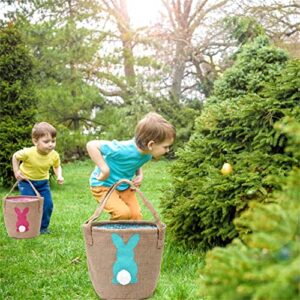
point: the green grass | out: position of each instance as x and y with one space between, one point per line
54 266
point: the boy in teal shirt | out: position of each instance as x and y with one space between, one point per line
117 160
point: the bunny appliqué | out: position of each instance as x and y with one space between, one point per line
22 223
125 268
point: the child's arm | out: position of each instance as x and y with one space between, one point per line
96 156
137 181
58 173
16 163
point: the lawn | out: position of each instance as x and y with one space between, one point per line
54 266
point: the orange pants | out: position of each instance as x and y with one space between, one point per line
122 205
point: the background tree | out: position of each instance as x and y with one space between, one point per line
61 46
243 29
117 11
185 21
98 73
17 98
130 76
280 20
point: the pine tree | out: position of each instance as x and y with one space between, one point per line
236 126
263 263
17 99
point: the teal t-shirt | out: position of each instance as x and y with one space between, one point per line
123 159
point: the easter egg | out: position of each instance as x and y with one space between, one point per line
226 169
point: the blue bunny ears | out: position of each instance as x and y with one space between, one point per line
119 243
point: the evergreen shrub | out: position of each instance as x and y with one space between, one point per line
71 145
201 204
17 99
264 263
257 63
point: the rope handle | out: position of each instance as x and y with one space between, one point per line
15 184
101 206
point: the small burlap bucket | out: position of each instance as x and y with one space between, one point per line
124 257
23 214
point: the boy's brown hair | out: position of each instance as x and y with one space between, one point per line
41 129
153 127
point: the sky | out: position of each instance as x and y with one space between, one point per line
4 8
143 12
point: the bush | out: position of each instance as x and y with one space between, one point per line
202 203
17 99
263 264
258 62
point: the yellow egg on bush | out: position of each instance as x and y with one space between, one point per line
226 169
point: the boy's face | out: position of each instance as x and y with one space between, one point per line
45 144
159 149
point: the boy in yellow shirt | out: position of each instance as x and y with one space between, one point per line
34 164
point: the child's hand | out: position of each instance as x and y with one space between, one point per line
102 176
19 175
60 180
104 173
137 181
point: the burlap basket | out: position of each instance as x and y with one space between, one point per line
23 214
124 257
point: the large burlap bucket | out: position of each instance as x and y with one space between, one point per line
124 257
23 214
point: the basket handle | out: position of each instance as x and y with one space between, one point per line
15 184
100 208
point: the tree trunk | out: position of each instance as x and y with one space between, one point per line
126 37
178 74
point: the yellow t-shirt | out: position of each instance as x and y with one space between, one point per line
36 166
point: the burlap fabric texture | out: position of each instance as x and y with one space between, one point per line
124 257
23 214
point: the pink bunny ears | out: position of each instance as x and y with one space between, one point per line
22 213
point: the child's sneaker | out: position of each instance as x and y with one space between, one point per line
45 231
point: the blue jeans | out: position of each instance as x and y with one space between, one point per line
43 188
